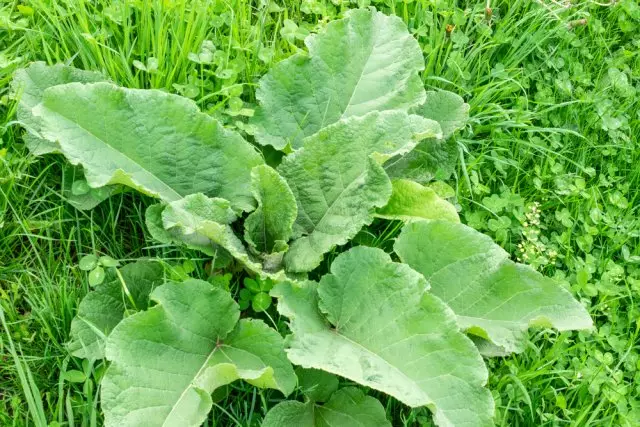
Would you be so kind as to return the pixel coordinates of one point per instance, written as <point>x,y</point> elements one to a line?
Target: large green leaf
<point>166,361</point>
<point>338,181</point>
<point>434,158</point>
<point>493,297</point>
<point>348,407</point>
<point>103,308</point>
<point>157,143</point>
<point>410,200</point>
<point>272,221</point>
<point>30,83</point>
<point>372,321</point>
<point>365,62</point>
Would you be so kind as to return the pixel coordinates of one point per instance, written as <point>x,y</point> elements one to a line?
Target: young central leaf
<point>203,223</point>
<point>363,63</point>
<point>157,143</point>
<point>167,360</point>
<point>273,220</point>
<point>338,180</point>
<point>176,236</point>
<point>372,321</point>
<point>493,297</point>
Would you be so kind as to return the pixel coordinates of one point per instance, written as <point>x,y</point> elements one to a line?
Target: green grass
<point>555,121</point>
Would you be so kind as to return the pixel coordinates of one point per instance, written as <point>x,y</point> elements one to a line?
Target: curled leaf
<point>366,62</point>
<point>191,343</point>
<point>492,296</point>
<point>372,321</point>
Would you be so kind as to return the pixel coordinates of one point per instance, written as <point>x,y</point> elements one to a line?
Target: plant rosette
<point>360,139</point>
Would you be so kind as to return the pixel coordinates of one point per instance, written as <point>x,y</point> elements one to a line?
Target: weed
<point>554,120</point>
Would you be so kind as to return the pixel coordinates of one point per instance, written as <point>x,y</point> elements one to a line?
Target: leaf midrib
<point>330,206</point>
<point>355,87</point>
<point>205,364</point>
<point>377,356</point>
<point>190,385</point>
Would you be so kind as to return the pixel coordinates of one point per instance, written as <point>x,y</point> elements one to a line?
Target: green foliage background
<point>550,171</point>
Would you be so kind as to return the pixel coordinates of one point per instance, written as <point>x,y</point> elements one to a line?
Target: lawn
<point>547,164</point>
